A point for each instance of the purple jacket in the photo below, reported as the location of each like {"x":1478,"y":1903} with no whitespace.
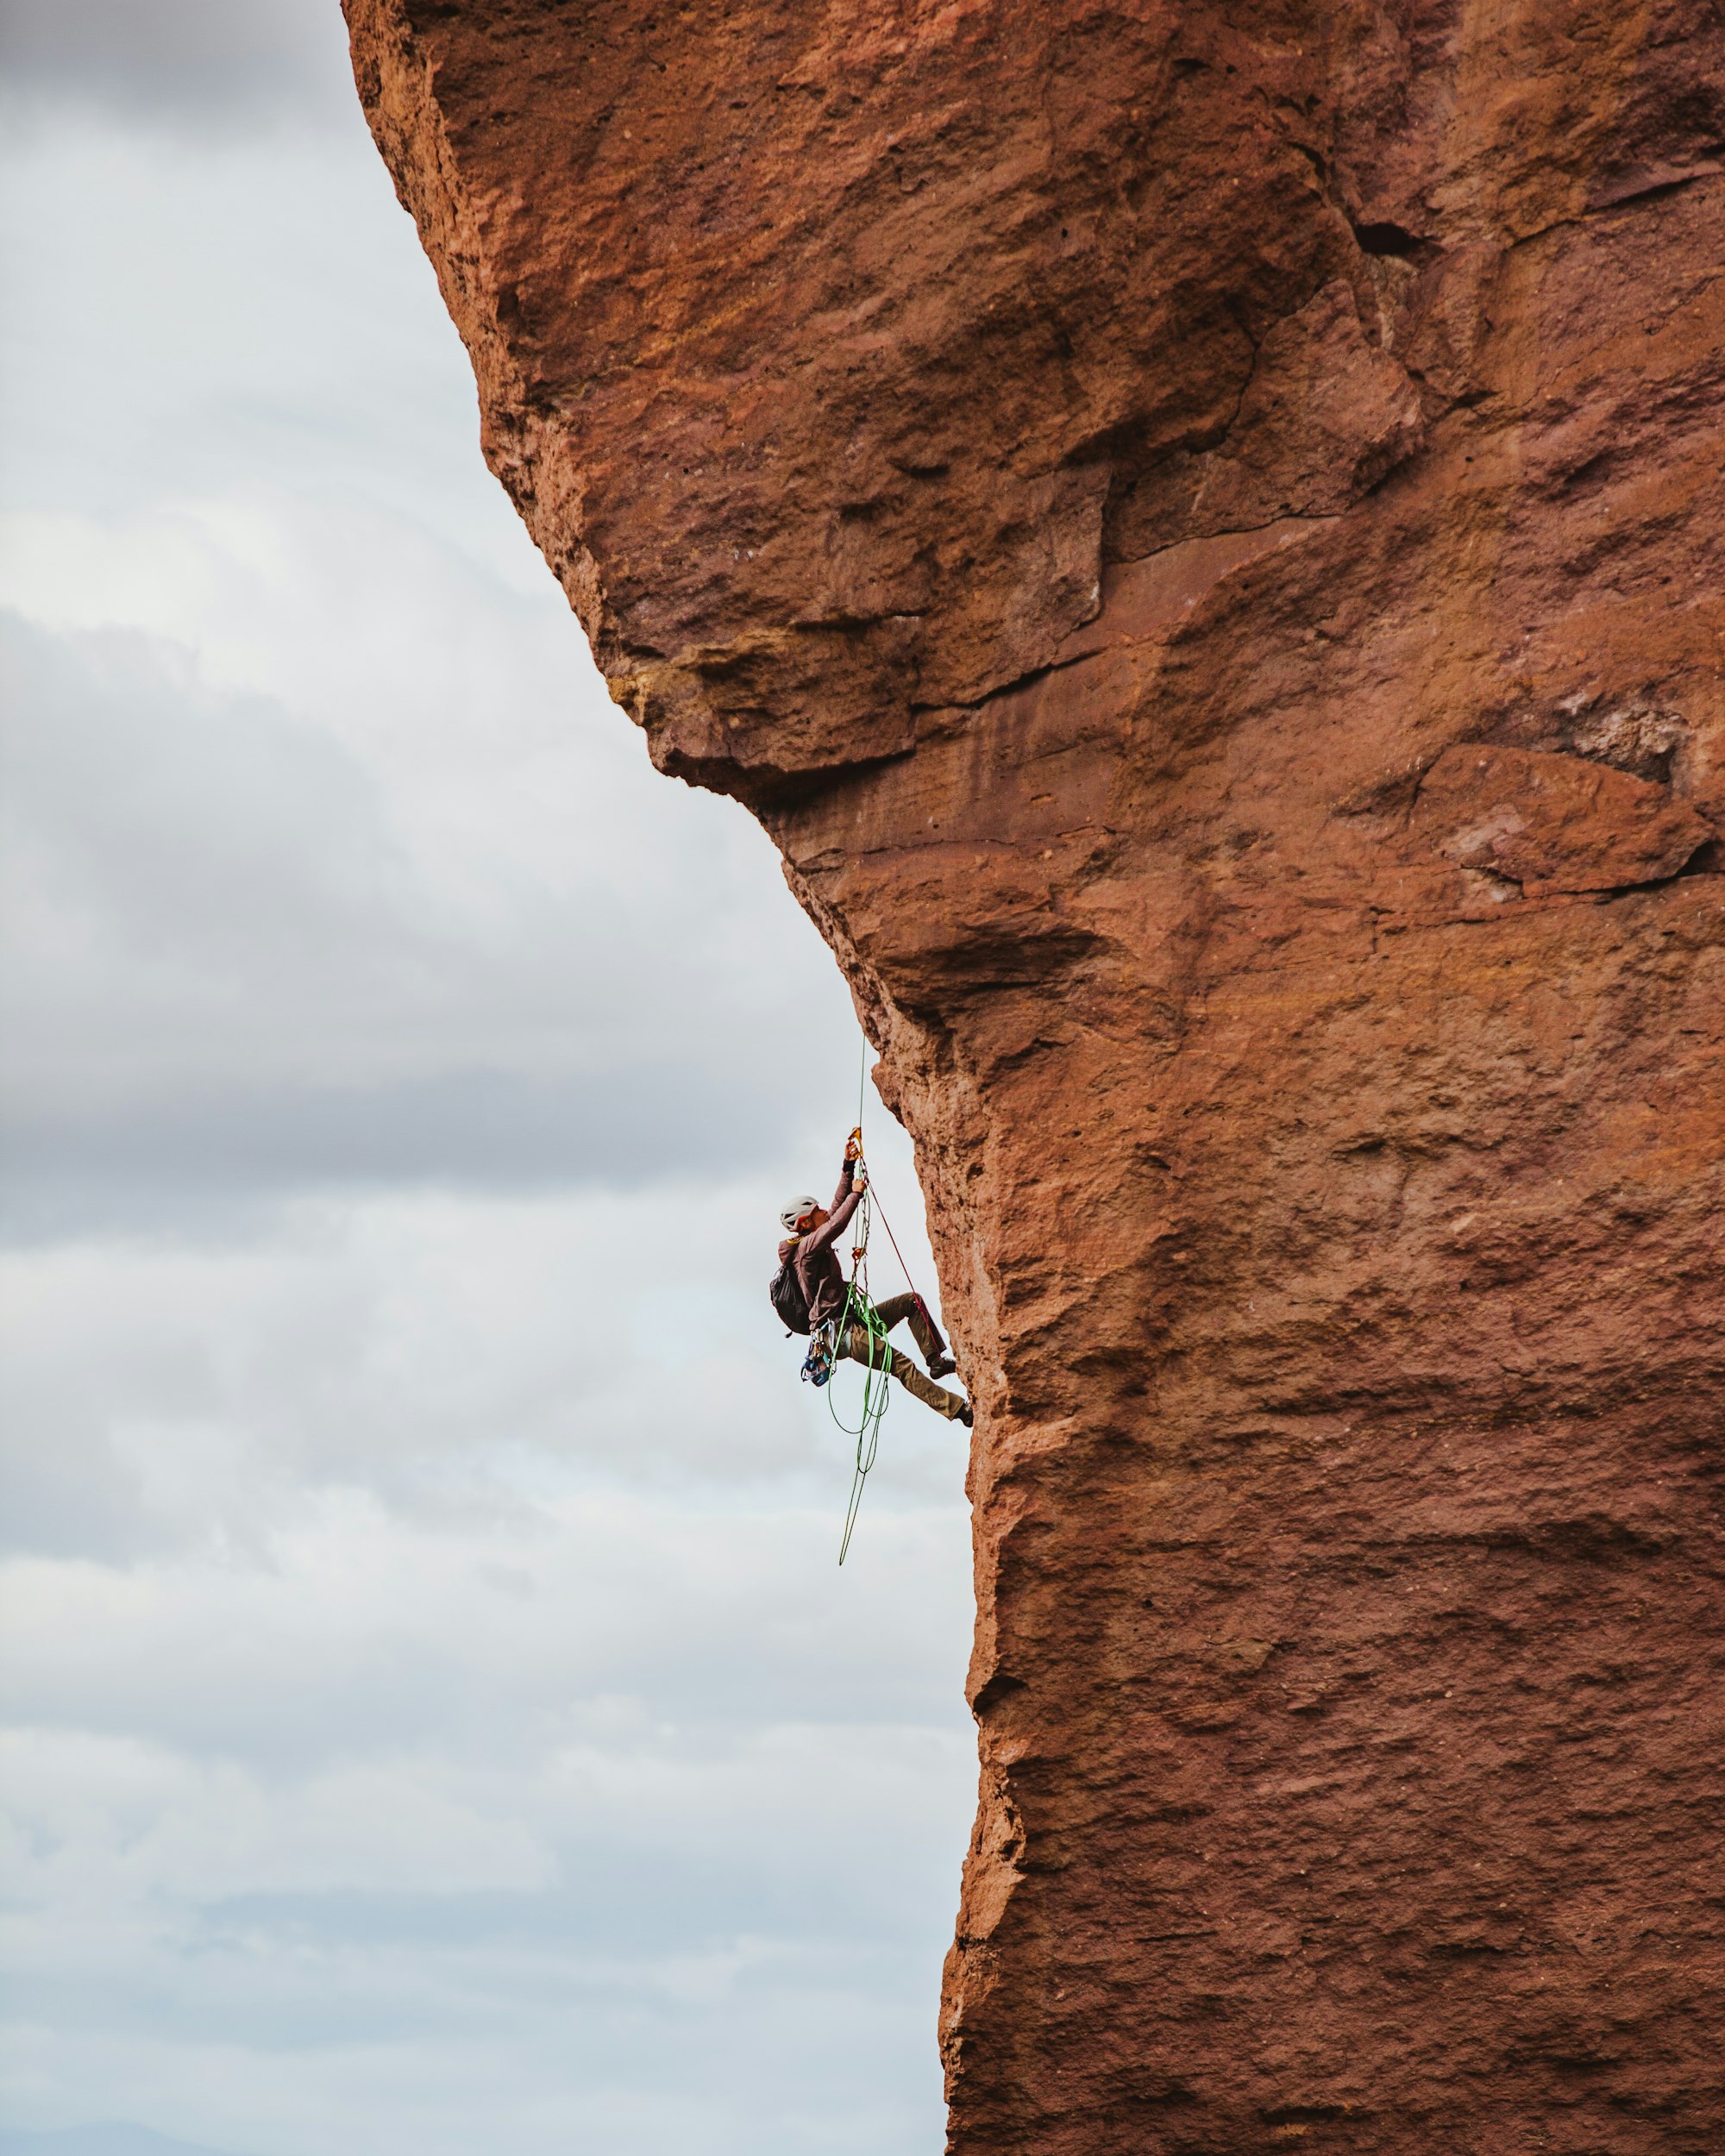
{"x":817,"y":1267}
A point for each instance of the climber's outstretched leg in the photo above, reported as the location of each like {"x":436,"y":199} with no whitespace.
{"x":923,"y":1329}
{"x":857,"y":1345}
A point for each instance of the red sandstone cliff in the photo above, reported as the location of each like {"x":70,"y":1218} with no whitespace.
{"x":1199,"y":530}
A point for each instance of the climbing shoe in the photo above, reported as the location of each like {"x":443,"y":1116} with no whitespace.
{"x":967,"y":1415}
{"x":941,"y":1366}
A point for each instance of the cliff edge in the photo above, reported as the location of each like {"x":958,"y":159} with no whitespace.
{"x":1199,"y":530}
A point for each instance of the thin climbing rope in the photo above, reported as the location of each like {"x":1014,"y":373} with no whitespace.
{"x":876,"y":1397}
{"x":876,"y":1378}
{"x":899,"y":1255}
{"x":859,"y":1304}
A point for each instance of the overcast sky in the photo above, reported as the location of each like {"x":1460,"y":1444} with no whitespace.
{"x":435,"y":1722}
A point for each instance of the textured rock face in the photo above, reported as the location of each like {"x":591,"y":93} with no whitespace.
{"x":1199,"y":530}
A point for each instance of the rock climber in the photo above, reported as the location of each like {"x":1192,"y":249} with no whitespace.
{"x":809,"y":1293}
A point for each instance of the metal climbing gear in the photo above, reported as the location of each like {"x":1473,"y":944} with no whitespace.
{"x":822,"y":1354}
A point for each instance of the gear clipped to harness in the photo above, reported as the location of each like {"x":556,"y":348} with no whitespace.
{"x":842,"y":1322}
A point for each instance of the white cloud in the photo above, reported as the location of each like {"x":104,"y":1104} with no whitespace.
{"x":522,"y":1812}
{"x":435,"y":1349}
{"x":202,"y":884}
{"x":434,"y":1718}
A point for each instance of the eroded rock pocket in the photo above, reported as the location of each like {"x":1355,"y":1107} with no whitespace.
{"x":1553,"y":823}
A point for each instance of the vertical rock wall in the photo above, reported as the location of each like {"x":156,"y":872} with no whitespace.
{"x":1199,"y":530}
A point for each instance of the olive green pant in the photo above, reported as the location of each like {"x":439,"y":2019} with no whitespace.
{"x":856,"y":1346}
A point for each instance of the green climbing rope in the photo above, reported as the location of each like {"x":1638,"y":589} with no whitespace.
{"x":859,"y":1309}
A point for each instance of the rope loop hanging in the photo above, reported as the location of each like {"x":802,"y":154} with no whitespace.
{"x":859,"y":1314}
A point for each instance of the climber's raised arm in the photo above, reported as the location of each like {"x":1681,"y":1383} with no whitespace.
{"x":845,"y":1200}
{"x":810,"y":1295}
{"x":847,"y":1174}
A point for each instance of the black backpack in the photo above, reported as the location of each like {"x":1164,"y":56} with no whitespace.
{"x":789,"y":1300}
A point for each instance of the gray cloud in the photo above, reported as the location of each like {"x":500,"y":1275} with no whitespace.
{"x":652,"y":1918}
{"x":229,"y":979}
{"x":433,"y":1718}
{"x":101,"y":2140}
{"x":210,"y":63}
{"x":185,"y":1165}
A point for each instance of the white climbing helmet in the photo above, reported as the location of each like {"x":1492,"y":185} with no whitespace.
{"x":796,"y":1212}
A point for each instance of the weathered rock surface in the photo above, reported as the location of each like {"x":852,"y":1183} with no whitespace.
{"x":1201,"y":531}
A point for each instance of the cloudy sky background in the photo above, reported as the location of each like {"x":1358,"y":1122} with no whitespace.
{"x":434,"y":1721}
